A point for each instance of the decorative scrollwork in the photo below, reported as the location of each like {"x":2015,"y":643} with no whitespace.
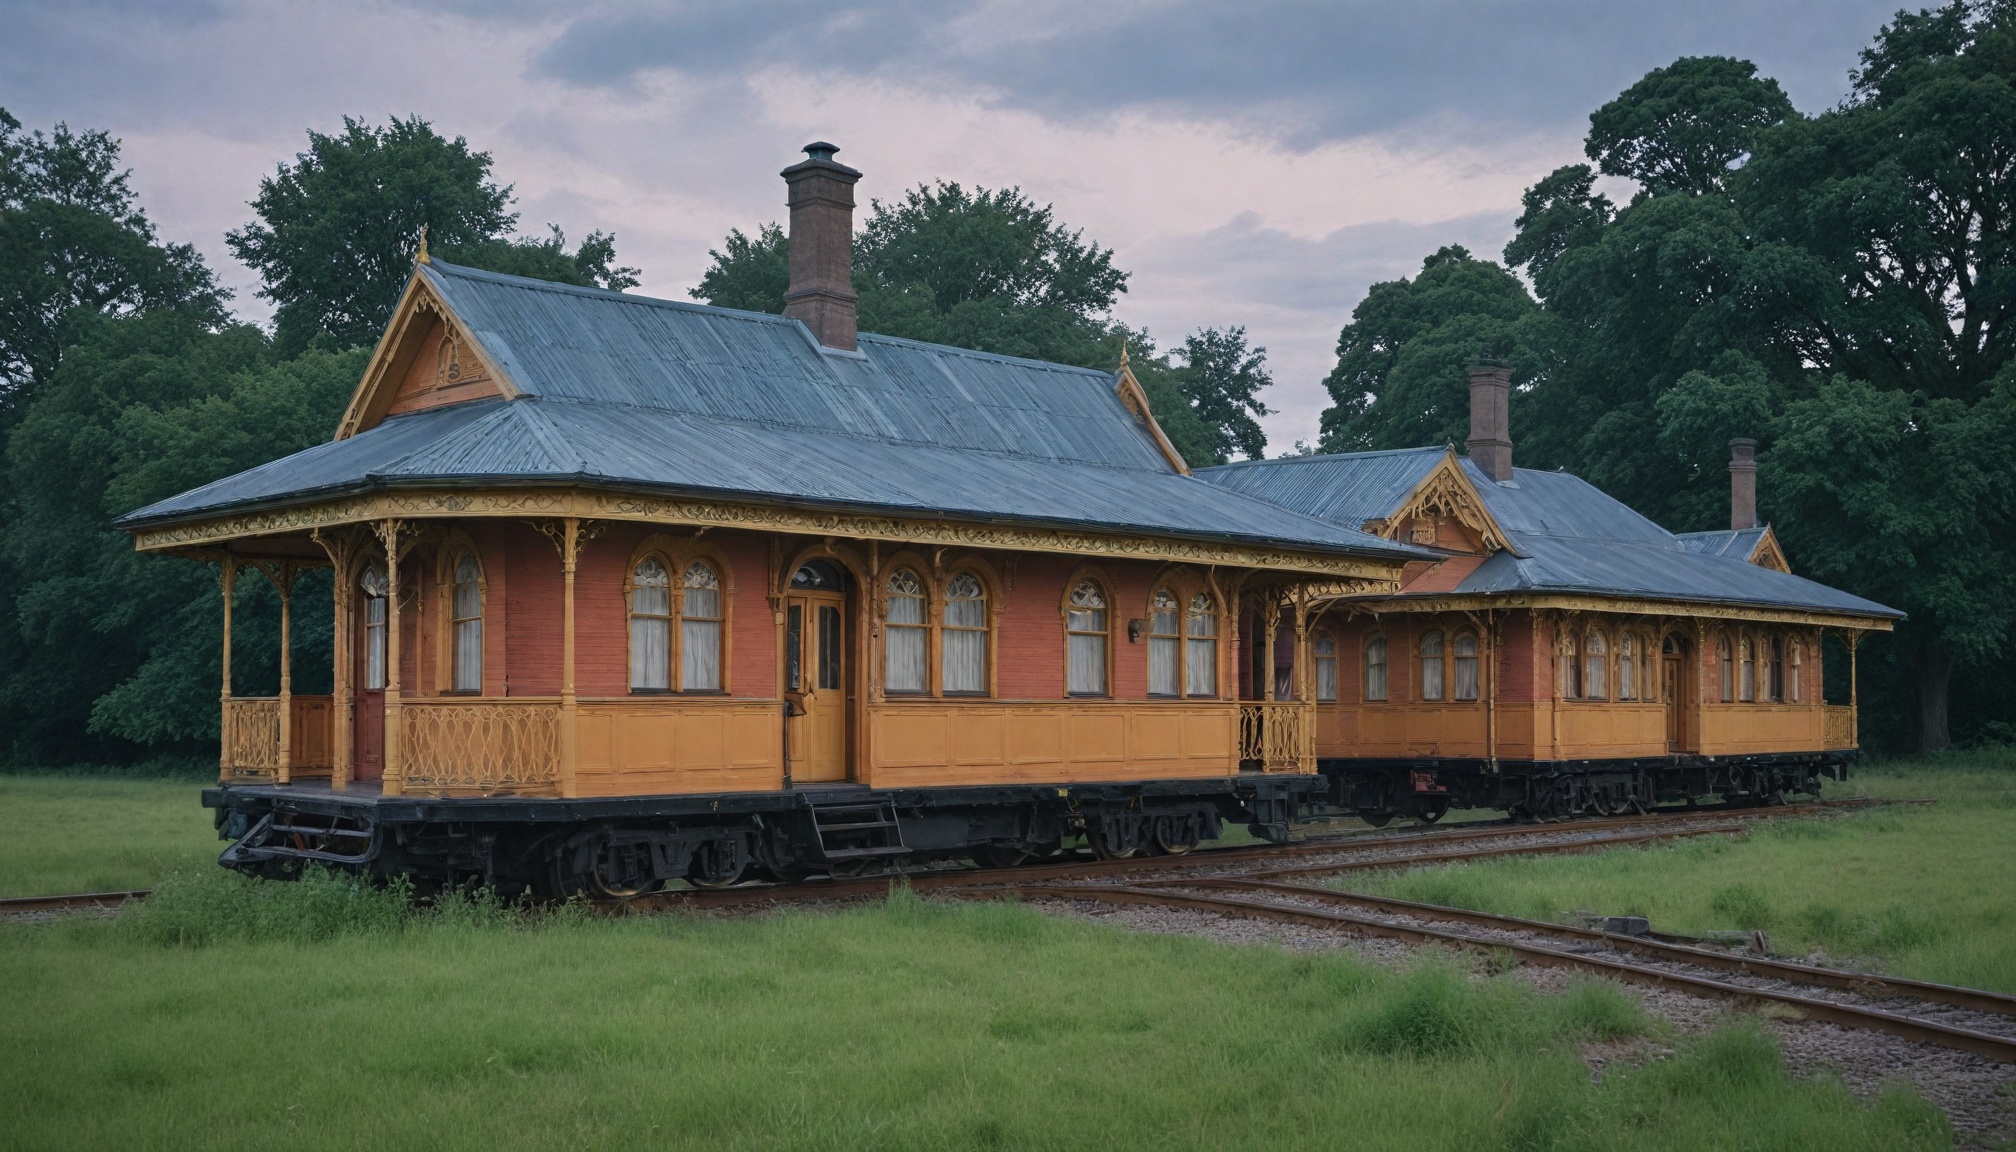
{"x":254,"y":728}
{"x":1278,"y":735}
{"x":490,"y":746}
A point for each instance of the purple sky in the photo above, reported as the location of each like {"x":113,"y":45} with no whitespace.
{"x":1257,"y":162}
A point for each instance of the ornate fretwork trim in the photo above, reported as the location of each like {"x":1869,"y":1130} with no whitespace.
{"x":1135,"y":399}
{"x":419,"y":306}
{"x":1378,"y":575}
{"x":1768,"y":554}
{"x":1446,"y":491}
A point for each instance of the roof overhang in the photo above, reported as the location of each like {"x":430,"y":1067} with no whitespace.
{"x":1621,"y":605}
{"x":233,"y":530}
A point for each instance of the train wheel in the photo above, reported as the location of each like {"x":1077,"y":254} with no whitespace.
{"x":621,"y":875}
{"x":1176,"y":835}
{"x":1430,"y":811}
{"x":716,"y":864}
{"x":1120,"y":847}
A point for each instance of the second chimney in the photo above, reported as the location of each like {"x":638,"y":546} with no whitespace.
{"x":1490,"y":441}
{"x":821,"y":197}
{"x":1742,"y":484}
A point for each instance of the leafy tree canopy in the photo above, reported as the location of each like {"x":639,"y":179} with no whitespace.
{"x":1684,"y":127}
{"x":74,"y":244}
{"x":338,"y":229}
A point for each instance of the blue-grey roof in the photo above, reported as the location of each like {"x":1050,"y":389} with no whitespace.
{"x":1570,"y":536}
{"x":633,"y":393}
{"x":1737,"y":542}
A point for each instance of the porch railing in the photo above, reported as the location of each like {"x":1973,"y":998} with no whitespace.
{"x":1837,"y":728}
{"x":1277,"y":735}
{"x":252,"y":733}
{"x":487,"y":746}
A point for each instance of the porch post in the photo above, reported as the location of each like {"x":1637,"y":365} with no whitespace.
{"x":339,"y":646}
{"x":1854,"y":705}
{"x":1270,"y":621}
{"x":395,"y":766}
{"x":286,"y":767}
{"x":570,"y":708}
{"x":227,"y":579}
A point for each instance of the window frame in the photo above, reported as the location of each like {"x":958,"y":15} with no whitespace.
{"x":1595,"y":665}
{"x":453,"y":621}
{"x":1170,"y":642}
{"x":1104,"y":587}
{"x":719,"y":620}
{"x":676,"y":555}
{"x":1746,"y":656}
{"x":669,"y":619}
{"x":1193,"y":638}
{"x":985,"y":629}
{"x":1375,"y":642}
{"x":377,"y":649}
{"x":1725,"y":661}
{"x":1318,"y":658}
{"x":1456,"y":659}
{"x":922,"y":626}
{"x":1627,"y":665}
{"x":1439,"y":660}
{"x":1568,"y":662}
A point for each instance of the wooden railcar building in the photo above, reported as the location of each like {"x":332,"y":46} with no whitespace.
{"x":629,"y":590}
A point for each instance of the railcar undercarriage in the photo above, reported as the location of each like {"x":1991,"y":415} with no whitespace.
{"x":625,"y":847}
{"x":1377,"y":790}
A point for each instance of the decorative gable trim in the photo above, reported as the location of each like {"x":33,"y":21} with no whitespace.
{"x":419,"y":308}
{"x":1135,"y":398}
{"x":1446,"y":491}
{"x":1769,"y":554}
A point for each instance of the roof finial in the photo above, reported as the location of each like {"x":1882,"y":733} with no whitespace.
{"x":1123,"y":352}
{"x":420,"y":257}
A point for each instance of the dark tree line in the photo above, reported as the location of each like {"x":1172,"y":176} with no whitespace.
{"x":1841,"y":286}
{"x":125,"y":379}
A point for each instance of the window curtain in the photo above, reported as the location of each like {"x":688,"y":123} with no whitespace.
{"x":1326,"y":667}
{"x":1085,"y":656}
{"x":700,"y":631}
{"x":1431,"y":666}
{"x":906,"y":638}
{"x":468,"y":616}
{"x":1594,"y":664}
{"x":1627,"y":667}
{"x":375,"y":588}
{"x":650,"y":627}
{"x":1164,"y":639}
{"x":1200,"y":649}
{"x":1466,"y":667}
{"x":1375,"y":668}
{"x":964,"y":638}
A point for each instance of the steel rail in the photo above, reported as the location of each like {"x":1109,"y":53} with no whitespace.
{"x":2002,"y":1048}
{"x":1863,"y":983}
{"x":21,"y":905}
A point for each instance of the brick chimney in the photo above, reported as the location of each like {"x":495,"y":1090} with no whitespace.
{"x":821,"y":197}
{"x":1490,"y":441}
{"x":1742,"y":484}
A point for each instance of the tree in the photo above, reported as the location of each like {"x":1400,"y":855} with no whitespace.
{"x":73,"y":245}
{"x":1684,"y":127}
{"x":338,"y":230}
{"x":1221,"y":381}
{"x":1400,"y":380}
{"x":752,"y":274}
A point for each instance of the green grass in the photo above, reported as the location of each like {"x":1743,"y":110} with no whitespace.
{"x":227,"y":1013}
{"x":99,"y":833}
{"x":1923,"y":892}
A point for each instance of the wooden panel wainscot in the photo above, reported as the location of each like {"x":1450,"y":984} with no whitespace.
{"x":935,"y":742}
{"x":678,"y":745}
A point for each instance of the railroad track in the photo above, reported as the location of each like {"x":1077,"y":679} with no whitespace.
{"x":1975,"y":1021}
{"x":74,"y":902}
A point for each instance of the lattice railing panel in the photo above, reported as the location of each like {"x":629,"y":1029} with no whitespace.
{"x":1280,"y":735}
{"x":1838,"y":726}
{"x":252,"y":725}
{"x":481,"y":746}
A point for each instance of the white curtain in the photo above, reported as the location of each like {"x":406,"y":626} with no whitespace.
{"x":1466,"y":667}
{"x":1431,"y":666}
{"x":374,"y":642}
{"x":468,"y":616}
{"x":905,"y":641}
{"x":1200,"y":649}
{"x":700,"y":631}
{"x":1375,"y":668}
{"x":1627,"y":667}
{"x":965,"y":635}
{"x":1326,"y":667}
{"x":1164,"y":623}
{"x":650,"y":627}
{"x":1085,"y":656}
{"x":1594,"y":663}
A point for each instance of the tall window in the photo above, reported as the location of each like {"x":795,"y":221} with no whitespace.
{"x":700,"y":629}
{"x":375,"y":588}
{"x":1571,"y":669}
{"x":1648,"y":670}
{"x":1794,"y":690}
{"x":1777,"y":650}
{"x":1727,"y":660}
{"x":964,"y":639}
{"x":1431,"y":667}
{"x":1595,"y":662}
{"x":650,"y":626}
{"x":1326,"y":667}
{"x":906,"y":640}
{"x":1375,"y":668}
{"x":1085,"y":630}
{"x":1465,"y":648}
{"x":1200,"y":648}
{"x":1749,"y":682}
{"x":1165,"y":643}
{"x":1627,"y":666}
{"x":466,"y":624}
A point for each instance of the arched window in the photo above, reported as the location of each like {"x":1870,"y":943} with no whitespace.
{"x":1723,"y":657}
{"x":1375,"y":668}
{"x":465,"y":616}
{"x":375,"y":588}
{"x":650,"y":626}
{"x":964,"y":639}
{"x":1465,"y":651}
{"x":1749,"y":682}
{"x":1200,"y":648}
{"x":1571,"y":668}
{"x":1595,"y":663}
{"x":1326,"y":667}
{"x":1165,"y":643}
{"x":1085,"y":648}
{"x":1795,"y":666}
{"x":906,"y":640}
{"x":700,"y":629}
{"x":1777,"y":678}
{"x":1431,"y":667}
{"x":1627,"y":666}
{"x":1648,"y":670}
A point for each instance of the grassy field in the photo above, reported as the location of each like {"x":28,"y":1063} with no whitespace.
{"x":99,"y":833}
{"x":1927,"y":892}
{"x":232,"y":1014}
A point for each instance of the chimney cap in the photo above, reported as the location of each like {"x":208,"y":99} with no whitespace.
{"x":820,"y":156}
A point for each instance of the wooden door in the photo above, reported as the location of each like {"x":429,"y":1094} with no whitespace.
{"x":368,"y":717}
{"x":1673,"y":693}
{"x":816,"y":678}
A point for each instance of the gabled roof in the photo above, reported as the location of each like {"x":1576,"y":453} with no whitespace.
{"x":626,"y":392}
{"x":1753,"y":545}
{"x":1565,"y":535}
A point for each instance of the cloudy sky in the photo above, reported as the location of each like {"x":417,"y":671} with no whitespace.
{"x":1255,"y":162}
